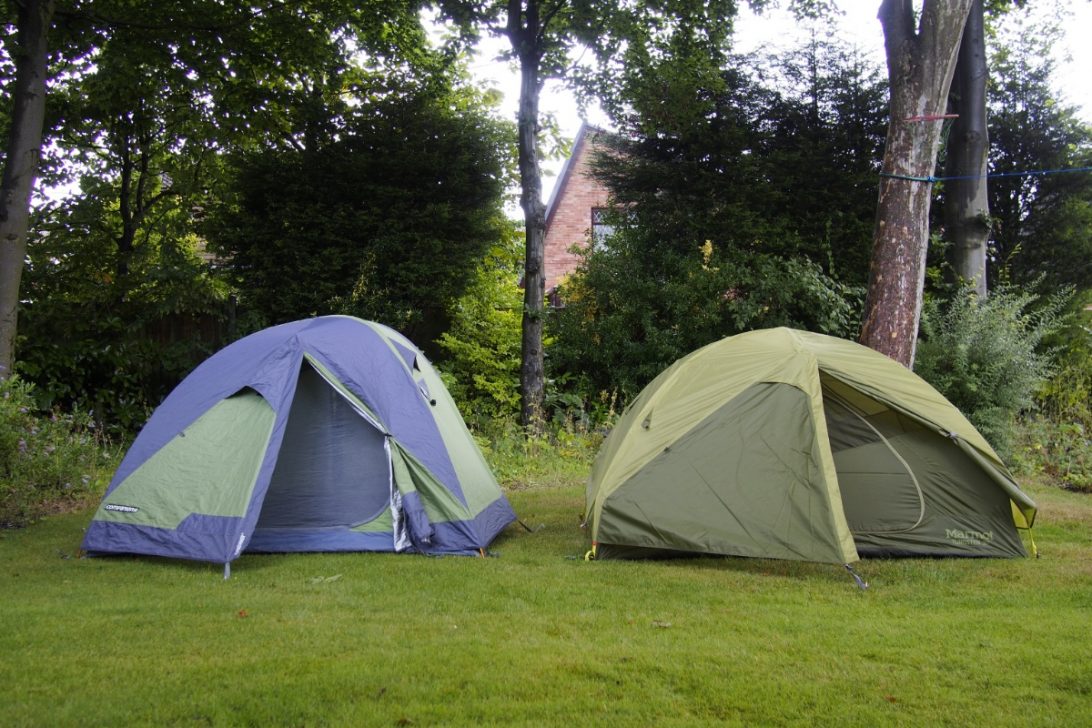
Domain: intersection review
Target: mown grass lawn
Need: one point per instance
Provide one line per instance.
(537, 636)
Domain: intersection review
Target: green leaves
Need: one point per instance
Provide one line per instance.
(384, 220)
(481, 348)
(985, 355)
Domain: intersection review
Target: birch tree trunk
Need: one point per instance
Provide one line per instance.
(920, 64)
(966, 202)
(21, 164)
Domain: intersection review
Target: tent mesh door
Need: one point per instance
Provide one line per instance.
(880, 493)
(332, 468)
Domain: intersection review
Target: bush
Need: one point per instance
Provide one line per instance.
(46, 461)
(629, 313)
(112, 345)
(481, 360)
(1057, 440)
(986, 356)
(563, 454)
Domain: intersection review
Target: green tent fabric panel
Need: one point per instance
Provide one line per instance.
(682, 397)
(878, 494)
(230, 440)
(740, 483)
(468, 462)
(1023, 507)
(879, 491)
(965, 514)
(440, 504)
(383, 523)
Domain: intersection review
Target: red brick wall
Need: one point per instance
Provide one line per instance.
(569, 222)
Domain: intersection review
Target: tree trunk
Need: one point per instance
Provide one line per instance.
(920, 66)
(21, 164)
(524, 32)
(966, 203)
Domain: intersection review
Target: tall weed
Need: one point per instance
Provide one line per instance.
(1057, 439)
(560, 456)
(47, 461)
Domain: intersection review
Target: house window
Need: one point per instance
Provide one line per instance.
(601, 229)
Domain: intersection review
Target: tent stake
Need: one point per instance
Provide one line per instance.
(860, 582)
(227, 570)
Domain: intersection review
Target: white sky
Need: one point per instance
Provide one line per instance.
(778, 30)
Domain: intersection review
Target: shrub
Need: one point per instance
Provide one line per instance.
(629, 313)
(1057, 440)
(481, 360)
(563, 454)
(985, 355)
(46, 461)
(115, 345)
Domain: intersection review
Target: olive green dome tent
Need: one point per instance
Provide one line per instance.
(792, 445)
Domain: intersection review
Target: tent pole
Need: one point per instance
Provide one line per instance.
(227, 570)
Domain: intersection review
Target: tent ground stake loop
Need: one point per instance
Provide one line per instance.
(860, 582)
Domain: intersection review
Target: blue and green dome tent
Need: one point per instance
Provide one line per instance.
(327, 434)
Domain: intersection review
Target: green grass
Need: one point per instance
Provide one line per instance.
(538, 636)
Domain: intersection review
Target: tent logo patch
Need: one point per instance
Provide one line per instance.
(120, 508)
(961, 536)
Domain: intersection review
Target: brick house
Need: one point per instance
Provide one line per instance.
(574, 213)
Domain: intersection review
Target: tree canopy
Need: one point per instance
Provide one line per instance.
(161, 114)
(741, 204)
(1042, 232)
(384, 219)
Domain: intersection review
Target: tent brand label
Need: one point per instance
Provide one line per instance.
(120, 508)
(962, 536)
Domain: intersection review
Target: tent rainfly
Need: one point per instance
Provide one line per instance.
(328, 434)
(792, 445)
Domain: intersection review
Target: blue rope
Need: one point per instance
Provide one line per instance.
(1031, 173)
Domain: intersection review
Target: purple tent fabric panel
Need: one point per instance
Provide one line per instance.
(417, 524)
(252, 362)
(363, 363)
(460, 537)
(198, 537)
(408, 355)
(286, 540)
